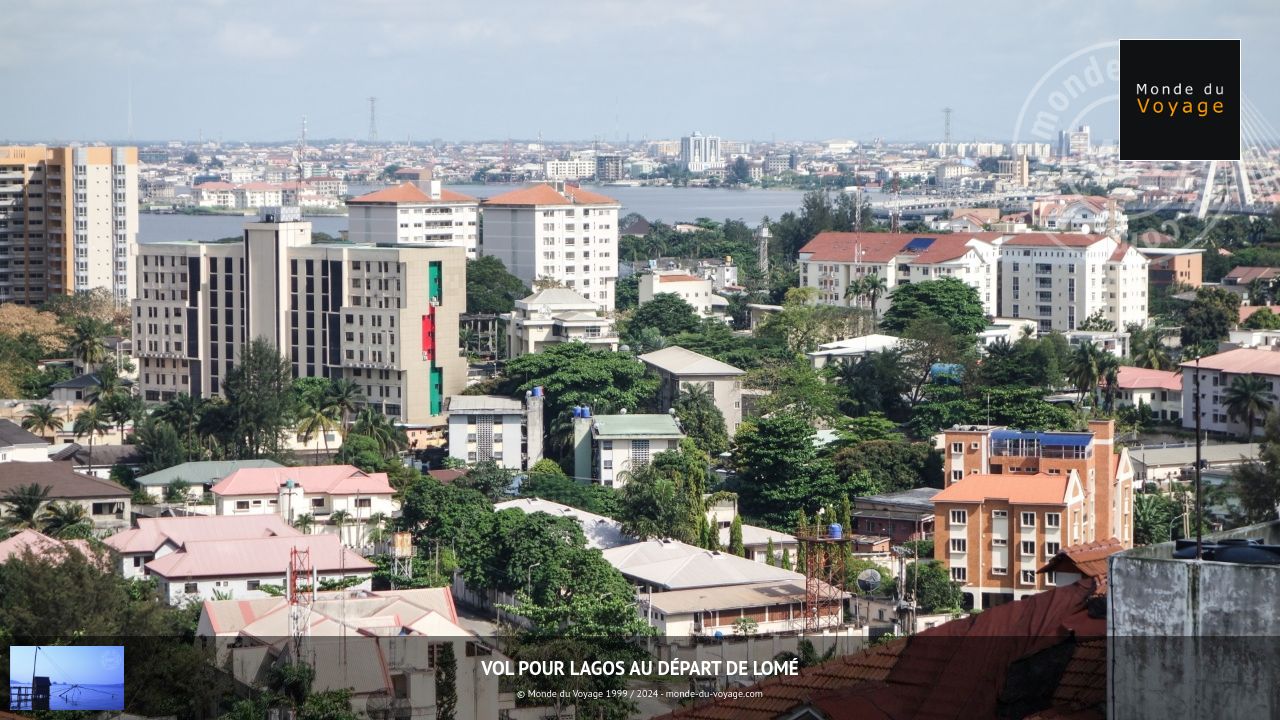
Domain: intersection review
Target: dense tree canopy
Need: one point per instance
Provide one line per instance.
(491, 289)
(780, 470)
(667, 314)
(950, 299)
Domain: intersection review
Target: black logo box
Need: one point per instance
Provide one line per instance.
(1187, 69)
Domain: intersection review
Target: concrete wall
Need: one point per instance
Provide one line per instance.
(1193, 639)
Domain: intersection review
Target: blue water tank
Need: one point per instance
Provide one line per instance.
(537, 391)
(586, 411)
(577, 411)
(835, 531)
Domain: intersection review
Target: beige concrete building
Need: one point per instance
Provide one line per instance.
(556, 315)
(680, 368)
(1061, 279)
(409, 215)
(384, 317)
(696, 291)
(556, 232)
(68, 221)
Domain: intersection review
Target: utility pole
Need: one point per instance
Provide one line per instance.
(1199, 499)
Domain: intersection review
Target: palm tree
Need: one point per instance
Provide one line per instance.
(1148, 348)
(873, 286)
(1111, 376)
(304, 523)
(317, 420)
(345, 397)
(24, 504)
(340, 518)
(1087, 368)
(121, 408)
(42, 419)
(91, 421)
(86, 344)
(182, 411)
(376, 528)
(1248, 396)
(855, 289)
(66, 520)
(370, 421)
(108, 383)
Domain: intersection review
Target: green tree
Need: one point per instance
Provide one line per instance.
(345, 398)
(432, 510)
(626, 293)
(42, 419)
(446, 683)
(700, 419)
(667, 313)
(1209, 319)
(1262, 319)
(183, 412)
(329, 705)
(889, 466)
(1098, 322)
(1153, 517)
(802, 324)
(176, 491)
(305, 523)
(361, 451)
(1148, 347)
(91, 422)
(259, 395)
(547, 481)
(1248, 397)
(372, 422)
(779, 470)
(735, 537)
(1257, 484)
(795, 386)
(488, 478)
(159, 445)
(1089, 364)
(932, 587)
(875, 383)
(927, 342)
(491, 289)
(87, 345)
(949, 299)
(663, 499)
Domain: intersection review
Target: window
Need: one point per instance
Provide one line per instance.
(999, 542)
(606, 444)
(999, 514)
(1028, 577)
(242, 505)
(959, 574)
(999, 571)
(364, 502)
(191, 588)
(1029, 547)
(957, 475)
(1028, 519)
(959, 545)
(253, 584)
(1051, 549)
(959, 517)
(608, 464)
(1053, 520)
(137, 561)
(957, 447)
(317, 502)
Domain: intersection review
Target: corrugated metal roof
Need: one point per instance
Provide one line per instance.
(640, 425)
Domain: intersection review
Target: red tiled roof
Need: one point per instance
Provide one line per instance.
(882, 247)
(1088, 559)
(1037, 489)
(1241, 361)
(409, 193)
(1135, 378)
(1121, 250)
(1244, 274)
(544, 194)
(1247, 311)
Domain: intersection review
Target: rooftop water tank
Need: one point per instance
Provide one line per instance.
(835, 531)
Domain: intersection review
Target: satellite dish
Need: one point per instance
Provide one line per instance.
(869, 579)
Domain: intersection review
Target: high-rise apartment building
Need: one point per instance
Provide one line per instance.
(1060, 280)
(1075, 143)
(609, 168)
(556, 232)
(385, 318)
(700, 152)
(68, 221)
(1021, 496)
(412, 215)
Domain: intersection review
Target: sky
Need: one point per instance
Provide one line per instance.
(576, 69)
(79, 665)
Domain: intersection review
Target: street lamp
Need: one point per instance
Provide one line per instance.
(528, 578)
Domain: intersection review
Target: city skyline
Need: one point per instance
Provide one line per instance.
(607, 70)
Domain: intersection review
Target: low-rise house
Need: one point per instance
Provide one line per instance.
(19, 445)
(42, 546)
(488, 427)
(1113, 342)
(318, 491)
(606, 447)
(902, 516)
(679, 369)
(851, 350)
(997, 530)
(156, 537)
(237, 569)
(1160, 391)
(106, 502)
(602, 532)
(556, 315)
(385, 648)
(102, 460)
(200, 475)
(756, 542)
(695, 290)
(81, 387)
(1163, 465)
(1216, 373)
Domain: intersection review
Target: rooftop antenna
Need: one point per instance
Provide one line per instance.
(373, 119)
(301, 597)
(895, 217)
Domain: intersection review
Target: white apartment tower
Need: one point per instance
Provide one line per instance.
(408, 215)
(68, 221)
(700, 152)
(1059, 280)
(383, 317)
(556, 232)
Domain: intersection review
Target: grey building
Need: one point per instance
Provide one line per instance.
(502, 429)
(679, 368)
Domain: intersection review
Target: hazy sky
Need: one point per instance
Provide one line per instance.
(78, 664)
(569, 69)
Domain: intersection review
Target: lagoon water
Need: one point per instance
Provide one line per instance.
(669, 204)
(80, 697)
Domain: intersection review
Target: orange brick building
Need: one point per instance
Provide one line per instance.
(1014, 498)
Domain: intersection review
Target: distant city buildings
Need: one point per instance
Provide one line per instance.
(558, 233)
(68, 221)
(1075, 143)
(700, 153)
(385, 318)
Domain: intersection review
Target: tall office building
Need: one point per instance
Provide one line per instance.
(700, 152)
(1075, 143)
(556, 232)
(385, 318)
(68, 221)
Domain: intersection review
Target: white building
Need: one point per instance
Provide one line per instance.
(851, 350)
(556, 315)
(1061, 279)
(406, 215)
(1160, 391)
(1079, 213)
(501, 429)
(19, 445)
(679, 369)
(557, 232)
(578, 168)
(699, 153)
(318, 491)
(833, 261)
(1216, 373)
(157, 537)
(606, 447)
(696, 291)
(385, 318)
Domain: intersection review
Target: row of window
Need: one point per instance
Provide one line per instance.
(1028, 547)
(1027, 577)
(1052, 520)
